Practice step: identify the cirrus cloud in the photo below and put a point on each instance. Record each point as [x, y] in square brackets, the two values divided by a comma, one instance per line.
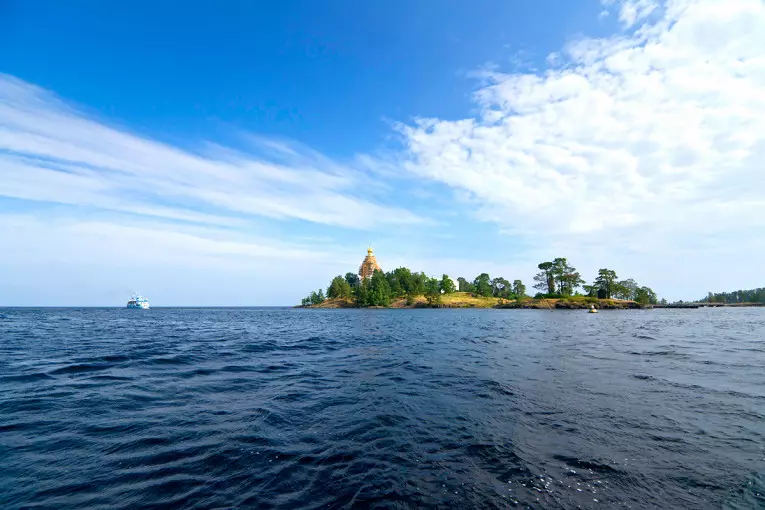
[51, 152]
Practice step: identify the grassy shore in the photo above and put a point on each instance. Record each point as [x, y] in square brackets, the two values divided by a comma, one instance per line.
[466, 300]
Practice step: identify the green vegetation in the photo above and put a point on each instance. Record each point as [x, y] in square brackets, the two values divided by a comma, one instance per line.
[339, 288]
[447, 285]
[738, 296]
[379, 290]
[558, 277]
[433, 291]
[605, 283]
[482, 285]
[558, 283]
[352, 279]
[519, 289]
[315, 298]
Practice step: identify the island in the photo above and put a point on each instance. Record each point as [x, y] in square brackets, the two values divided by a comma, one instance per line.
[558, 284]
[467, 300]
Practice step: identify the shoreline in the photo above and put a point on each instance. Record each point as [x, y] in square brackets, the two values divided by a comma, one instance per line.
[466, 300]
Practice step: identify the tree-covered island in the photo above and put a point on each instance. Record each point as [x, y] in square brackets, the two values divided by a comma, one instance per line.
[559, 285]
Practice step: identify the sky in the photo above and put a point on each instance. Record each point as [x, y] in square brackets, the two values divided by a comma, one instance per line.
[244, 153]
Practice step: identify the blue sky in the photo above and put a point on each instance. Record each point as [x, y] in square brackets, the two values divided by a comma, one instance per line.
[241, 153]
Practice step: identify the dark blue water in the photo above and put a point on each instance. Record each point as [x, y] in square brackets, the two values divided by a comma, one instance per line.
[267, 408]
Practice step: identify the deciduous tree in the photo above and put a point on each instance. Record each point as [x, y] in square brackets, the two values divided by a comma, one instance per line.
[500, 287]
[352, 279]
[625, 289]
[417, 287]
[433, 291]
[405, 281]
[482, 285]
[447, 285]
[463, 285]
[396, 289]
[645, 295]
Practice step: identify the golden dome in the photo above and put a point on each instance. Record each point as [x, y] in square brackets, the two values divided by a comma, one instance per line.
[369, 265]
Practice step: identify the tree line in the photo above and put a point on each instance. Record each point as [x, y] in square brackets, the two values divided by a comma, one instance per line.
[738, 296]
[382, 288]
[486, 286]
[556, 279]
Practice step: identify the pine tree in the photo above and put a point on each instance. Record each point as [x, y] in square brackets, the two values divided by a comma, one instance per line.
[360, 293]
[606, 281]
[545, 278]
[519, 289]
[379, 290]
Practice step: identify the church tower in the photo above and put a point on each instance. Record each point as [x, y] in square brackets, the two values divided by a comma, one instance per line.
[368, 266]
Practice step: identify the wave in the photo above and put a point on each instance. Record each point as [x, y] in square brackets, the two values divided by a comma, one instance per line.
[461, 409]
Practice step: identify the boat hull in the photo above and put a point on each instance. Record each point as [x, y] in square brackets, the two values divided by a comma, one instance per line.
[138, 302]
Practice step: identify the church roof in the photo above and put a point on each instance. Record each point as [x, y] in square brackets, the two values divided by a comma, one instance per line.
[369, 265]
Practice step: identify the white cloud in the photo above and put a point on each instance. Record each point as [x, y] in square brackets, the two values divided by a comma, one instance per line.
[100, 211]
[659, 132]
[75, 260]
[633, 11]
[50, 152]
[118, 239]
[630, 11]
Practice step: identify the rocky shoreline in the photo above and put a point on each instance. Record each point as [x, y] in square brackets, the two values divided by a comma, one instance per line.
[467, 301]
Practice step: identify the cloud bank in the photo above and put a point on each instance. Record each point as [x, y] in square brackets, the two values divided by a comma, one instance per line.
[658, 130]
[642, 151]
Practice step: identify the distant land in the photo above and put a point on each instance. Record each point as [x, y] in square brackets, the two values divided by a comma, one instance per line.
[559, 286]
[737, 297]
[558, 283]
[467, 300]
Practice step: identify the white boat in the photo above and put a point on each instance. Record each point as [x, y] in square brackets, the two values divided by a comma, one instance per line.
[592, 309]
[138, 302]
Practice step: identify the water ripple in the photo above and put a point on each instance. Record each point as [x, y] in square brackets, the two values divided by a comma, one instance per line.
[281, 408]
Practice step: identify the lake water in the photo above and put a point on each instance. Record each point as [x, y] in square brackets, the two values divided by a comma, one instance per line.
[288, 408]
